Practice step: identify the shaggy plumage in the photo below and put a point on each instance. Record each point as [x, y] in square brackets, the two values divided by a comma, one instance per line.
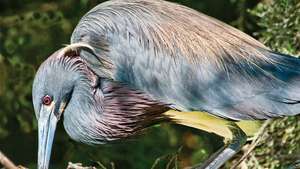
[188, 60]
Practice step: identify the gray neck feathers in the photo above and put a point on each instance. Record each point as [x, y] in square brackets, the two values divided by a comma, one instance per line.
[101, 110]
[109, 112]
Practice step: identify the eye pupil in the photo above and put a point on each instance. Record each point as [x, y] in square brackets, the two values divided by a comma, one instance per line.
[47, 100]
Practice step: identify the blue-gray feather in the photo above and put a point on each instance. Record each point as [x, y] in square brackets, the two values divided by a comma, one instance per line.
[188, 60]
[97, 110]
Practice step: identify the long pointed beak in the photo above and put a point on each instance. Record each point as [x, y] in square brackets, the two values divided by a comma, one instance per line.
[46, 126]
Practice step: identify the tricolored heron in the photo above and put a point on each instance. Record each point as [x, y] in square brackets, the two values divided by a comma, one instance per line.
[133, 63]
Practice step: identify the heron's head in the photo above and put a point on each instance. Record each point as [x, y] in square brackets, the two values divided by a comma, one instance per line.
[52, 90]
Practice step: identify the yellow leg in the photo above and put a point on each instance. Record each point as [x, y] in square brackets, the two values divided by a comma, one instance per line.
[234, 133]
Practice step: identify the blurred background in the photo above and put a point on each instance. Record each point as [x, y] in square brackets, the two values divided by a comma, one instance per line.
[30, 30]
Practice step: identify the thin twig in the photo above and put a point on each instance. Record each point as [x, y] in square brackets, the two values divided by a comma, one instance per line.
[101, 165]
[256, 140]
[174, 157]
[171, 161]
[7, 164]
[158, 160]
[112, 165]
[78, 166]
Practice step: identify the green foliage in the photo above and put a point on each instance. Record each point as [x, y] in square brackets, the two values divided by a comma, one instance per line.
[280, 30]
[280, 23]
[279, 147]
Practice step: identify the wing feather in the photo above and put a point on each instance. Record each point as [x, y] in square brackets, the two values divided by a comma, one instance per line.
[189, 60]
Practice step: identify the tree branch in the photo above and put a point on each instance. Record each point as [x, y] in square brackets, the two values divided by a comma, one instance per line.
[7, 164]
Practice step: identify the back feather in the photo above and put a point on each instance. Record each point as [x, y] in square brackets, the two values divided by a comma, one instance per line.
[189, 60]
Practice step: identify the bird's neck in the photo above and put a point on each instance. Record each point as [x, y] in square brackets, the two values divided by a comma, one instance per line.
[83, 112]
[111, 112]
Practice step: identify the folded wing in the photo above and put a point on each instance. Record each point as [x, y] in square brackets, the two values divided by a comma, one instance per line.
[188, 60]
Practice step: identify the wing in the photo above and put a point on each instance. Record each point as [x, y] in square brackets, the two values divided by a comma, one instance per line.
[189, 60]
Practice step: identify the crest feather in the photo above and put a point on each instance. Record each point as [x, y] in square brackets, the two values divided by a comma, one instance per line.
[74, 49]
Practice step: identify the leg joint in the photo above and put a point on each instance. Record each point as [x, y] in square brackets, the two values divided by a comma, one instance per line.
[239, 138]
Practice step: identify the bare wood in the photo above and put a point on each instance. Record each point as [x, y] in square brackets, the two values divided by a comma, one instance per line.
[78, 166]
[7, 164]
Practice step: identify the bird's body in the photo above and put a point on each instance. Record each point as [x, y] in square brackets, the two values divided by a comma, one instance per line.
[132, 63]
[187, 59]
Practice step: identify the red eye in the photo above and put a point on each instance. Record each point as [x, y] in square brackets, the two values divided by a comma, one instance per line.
[47, 100]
